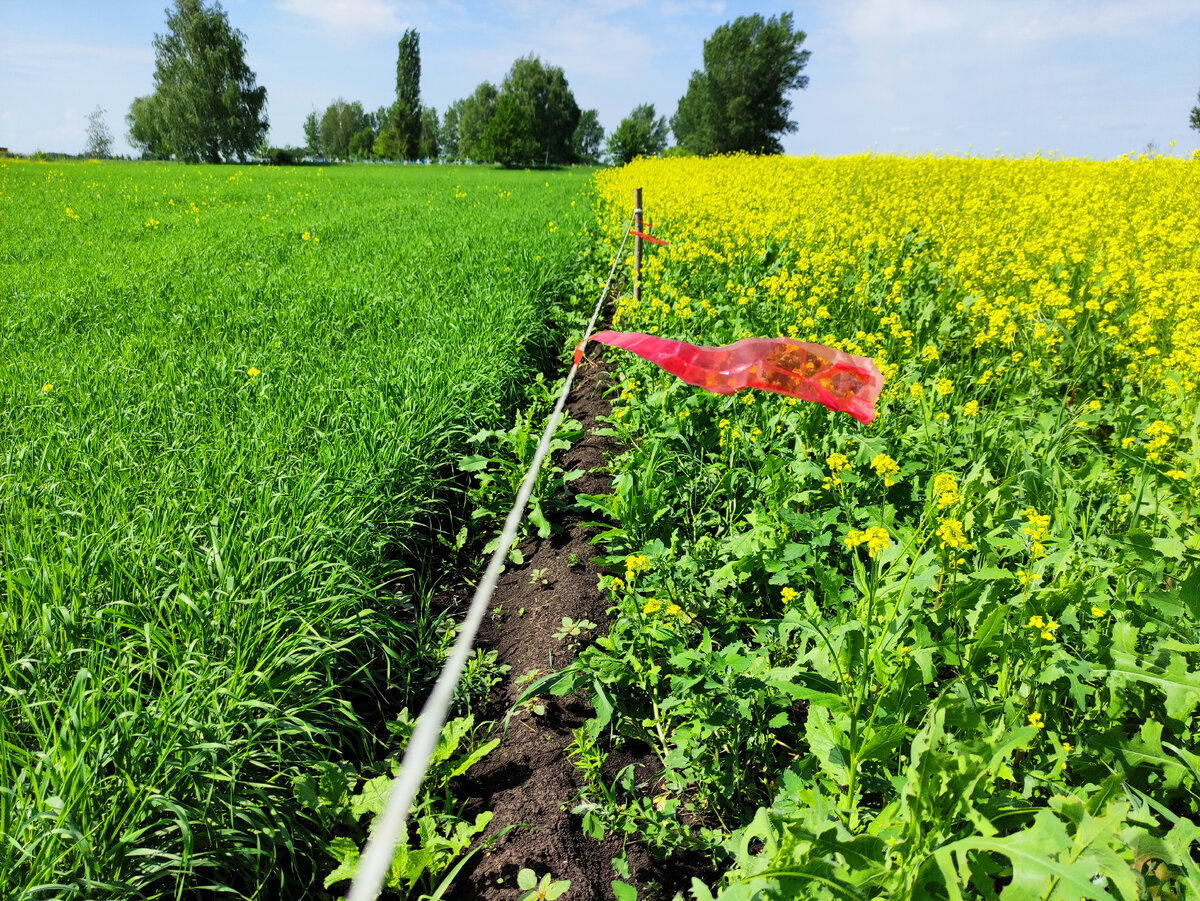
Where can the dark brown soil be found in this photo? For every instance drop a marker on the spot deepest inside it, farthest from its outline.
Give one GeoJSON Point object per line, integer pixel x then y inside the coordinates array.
{"type": "Point", "coordinates": [528, 781]}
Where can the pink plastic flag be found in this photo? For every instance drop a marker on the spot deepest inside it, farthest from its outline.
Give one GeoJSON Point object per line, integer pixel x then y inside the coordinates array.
{"type": "Point", "coordinates": [841, 381]}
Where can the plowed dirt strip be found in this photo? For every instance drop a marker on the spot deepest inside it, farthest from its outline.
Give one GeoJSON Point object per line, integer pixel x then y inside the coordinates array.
{"type": "Point", "coordinates": [528, 781]}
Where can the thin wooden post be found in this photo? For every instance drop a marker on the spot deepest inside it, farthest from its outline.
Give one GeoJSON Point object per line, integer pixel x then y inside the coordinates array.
{"type": "Point", "coordinates": [637, 244]}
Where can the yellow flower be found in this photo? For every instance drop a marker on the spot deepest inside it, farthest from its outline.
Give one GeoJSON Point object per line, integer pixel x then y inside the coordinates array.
{"type": "Point", "coordinates": [837, 462]}
{"type": "Point", "coordinates": [917, 391]}
{"type": "Point", "coordinates": [945, 387]}
{"type": "Point", "coordinates": [652, 606]}
{"type": "Point", "coordinates": [885, 467]}
{"type": "Point", "coordinates": [788, 594]}
{"type": "Point", "coordinates": [307, 236]}
{"type": "Point", "coordinates": [971, 408]}
{"type": "Point", "coordinates": [1027, 576]}
{"type": "Point", "coordinates": [1036, 622]}
{"type": "Point", "coordinates": [945, 490]}
{"type": "Point", "coordinates": [875, 538]}
{"type": "Point", "coordinates": [1098, 612]}
{"type": "Point", "coordinates": [252, 372]}
{"type": "Point", "coordinates": [1035, 720]}
{"type": "Point", "coordinates": [47, 388]}
{"type": "Point", "coordinates": [950, 531]}
{"type": "Point", "coordinates": [634, 564]}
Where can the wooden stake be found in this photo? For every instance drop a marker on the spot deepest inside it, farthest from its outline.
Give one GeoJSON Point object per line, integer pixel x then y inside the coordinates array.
{"type": "Point", "coordinates": [637, 245]}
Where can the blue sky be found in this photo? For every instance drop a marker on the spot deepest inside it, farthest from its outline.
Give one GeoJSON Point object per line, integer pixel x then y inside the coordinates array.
{"type": "Point", "coordinates": [1093, 78]}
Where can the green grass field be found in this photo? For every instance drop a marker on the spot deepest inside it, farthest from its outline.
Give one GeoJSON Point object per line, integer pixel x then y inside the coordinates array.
{"type": "Point", "coordinates": [231, 404]}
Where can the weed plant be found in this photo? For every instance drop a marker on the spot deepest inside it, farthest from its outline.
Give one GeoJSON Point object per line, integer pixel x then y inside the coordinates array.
{"type": "Point", "coordinates": [954, 653]}
{"type": "Point", "coordinates": [232, 400]}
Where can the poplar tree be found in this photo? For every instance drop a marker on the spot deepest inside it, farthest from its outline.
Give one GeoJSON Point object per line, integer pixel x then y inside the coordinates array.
{"type": "Point", "coordinates": [405, 116]}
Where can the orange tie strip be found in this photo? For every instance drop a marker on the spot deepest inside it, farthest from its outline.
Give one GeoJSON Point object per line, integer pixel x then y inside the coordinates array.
{"type": "Point", "coordinates": [840, 381]}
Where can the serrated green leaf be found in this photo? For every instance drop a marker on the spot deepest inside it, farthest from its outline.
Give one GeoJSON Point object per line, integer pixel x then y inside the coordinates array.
{"type": "Point", "coordinates": [1180, 687]}
{"type": "Point", "coordinates": [828, 744]}
{"type": "Point", "coordinates": [473, 463]}
{"type": "Point", "coordinates": [346, 853]}
{"type": "Point", "coordinates": [1045, 863]}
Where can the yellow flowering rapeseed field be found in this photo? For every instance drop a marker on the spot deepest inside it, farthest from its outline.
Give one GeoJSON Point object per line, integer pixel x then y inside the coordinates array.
{"type": "Point", "coordinates": [1040, 249]}
{"type": "Point", "coordinates": [984, 607]}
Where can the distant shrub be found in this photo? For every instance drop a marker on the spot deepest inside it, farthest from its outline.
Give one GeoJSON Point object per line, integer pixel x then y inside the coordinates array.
{"type": "Point", "coordinates": [284, 156]}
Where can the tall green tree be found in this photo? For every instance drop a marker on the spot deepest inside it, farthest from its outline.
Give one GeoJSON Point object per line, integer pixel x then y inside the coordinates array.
{"type": "Point", "coordinates": [362, 143]}
{"type": "Point", "coordinates": [639, 134]}
{"type": "Point", "coordinates": [145, 127]}
{"type": "Point", "coordinates": [206, 103]}
{"type": "Point", "coordinates": [448, 133]}
{"type": "Point", "coordinates": [509, 138]}
{"type": "Point", "coordinates": [428, 147]}
{"type": "Point", "coordinates": [1195, 119]}
{"type": "Point", "coordinates": [739, 100]}
{"type": "Point", "coordinates": [340, 122]}
{"type": "Point", "coordinates": [312, 134]}
{"type": "Point", "coordinates": [589, 138]}
{"type": "Point", "coordinates": [540, 96]}
{"type": "Point", "coordinates": [473, 117]}
{"type": "Point", "coordinates": [405, 118]}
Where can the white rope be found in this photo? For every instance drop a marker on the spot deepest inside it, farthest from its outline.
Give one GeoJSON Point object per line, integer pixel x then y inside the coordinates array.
{"type": "Point", "coordinates": [380, 849]}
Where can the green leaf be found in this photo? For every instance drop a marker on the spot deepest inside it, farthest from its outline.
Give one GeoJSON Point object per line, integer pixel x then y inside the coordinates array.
{"type": "Point", "coordinates": [828, 744]}
{"type": "Point", "coordinates": [984, 634]}
{"type": "Point", "coordinates": [346, 853]}
{"type": "Point", "coordinates": [473, 463]}
{"type": "Point", "coordinates": [538, 518]}
{"type": "Point", "coordinates": [991, 573]}
{"type": "Point", "coordinates": [526, 878]}
{"type": "Point", "coordinates": [624, 891]}
{"type": "Point", "coordinates": [1189, 592]}
{"type": "Point", "coordinates": [473, 758]}
{"type": "Point", "coordinates": [882, 742]}
{"type": "Point", "coordinates": [1180, 687]}
{"type": "Point", "coordinates": [1045, 863]}
{"type": "Point", "coordinates": [372, 797]}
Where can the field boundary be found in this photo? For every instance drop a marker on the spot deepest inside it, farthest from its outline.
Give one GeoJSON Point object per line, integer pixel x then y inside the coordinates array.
{"type": "Point", "coordinates": [381, 845]}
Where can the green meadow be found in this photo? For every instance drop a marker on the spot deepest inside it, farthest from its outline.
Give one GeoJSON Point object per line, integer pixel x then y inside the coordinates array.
{"type": "Point", "coordinates": [232, 400]}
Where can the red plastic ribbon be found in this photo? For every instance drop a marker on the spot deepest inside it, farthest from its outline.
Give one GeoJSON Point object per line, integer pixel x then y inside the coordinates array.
{"type": "Point", "coordinates": [838, 380]}
{"type": "Point", "coordinates": [646, 237]}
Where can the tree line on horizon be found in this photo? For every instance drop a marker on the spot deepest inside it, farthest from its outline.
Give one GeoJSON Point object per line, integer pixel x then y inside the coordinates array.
{"type": "Point", "coordinates": [207, 106]}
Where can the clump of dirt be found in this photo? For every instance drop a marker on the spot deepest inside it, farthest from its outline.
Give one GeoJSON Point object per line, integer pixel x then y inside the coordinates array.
{"type": "Point", "coordinates": [528, 781]}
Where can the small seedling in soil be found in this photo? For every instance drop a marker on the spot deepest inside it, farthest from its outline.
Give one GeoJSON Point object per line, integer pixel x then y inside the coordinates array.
{"type": "Point", "coordinates": [539, 575]}
{"type": "Point", "coordinates": [545, 889]}
{"type": "Point", "coordinates": [496, 611]}
{"type": "Point", "coordinates": [520, 612]}
{"type": "Point", "coordinates": [572, 559]}
{"type": "Point", "coordinates": [535, 705]}
{"type": "Point", "coordinates": [572, 629]}
{"type": "Point", "coordinates": [529, 677]}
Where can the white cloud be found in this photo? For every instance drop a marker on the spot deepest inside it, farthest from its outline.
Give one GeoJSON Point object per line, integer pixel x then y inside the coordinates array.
{"type": "Point", "coordinates": [34, 62]}
{"type": "Point", "coordinates": [1029, 21]}
{"type": "Point", "coordinates": [899, 21]}
{"type": "Point", "coordinates": [693, 7]}
{"type": "Point", "coordinates": [367, 18]}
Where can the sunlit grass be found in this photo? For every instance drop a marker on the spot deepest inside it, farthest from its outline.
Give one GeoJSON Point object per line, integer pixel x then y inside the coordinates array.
{"type": "Point", "coordinates": [231, 404]}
